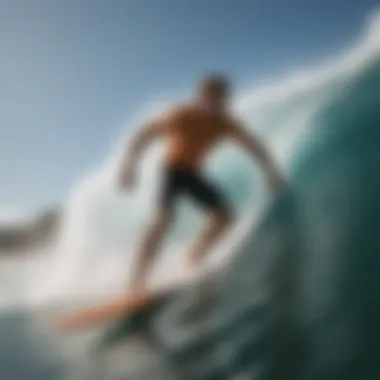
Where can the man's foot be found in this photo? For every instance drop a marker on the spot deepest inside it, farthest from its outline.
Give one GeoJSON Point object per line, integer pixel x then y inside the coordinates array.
{"type": "Point", "coordinates": [138, 288]}
{"type": "Point", "coordinates": [193, 262]}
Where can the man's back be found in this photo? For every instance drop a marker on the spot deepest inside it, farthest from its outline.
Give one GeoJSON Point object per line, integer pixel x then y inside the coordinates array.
{"type": "Point", "coordinates": [192, 132]}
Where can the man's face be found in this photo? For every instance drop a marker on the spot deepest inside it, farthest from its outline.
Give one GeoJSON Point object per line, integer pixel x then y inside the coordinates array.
{"type": "Point", "coordinates": [214, 90]}
{"type": "Point", "coordinates": [215, 96]}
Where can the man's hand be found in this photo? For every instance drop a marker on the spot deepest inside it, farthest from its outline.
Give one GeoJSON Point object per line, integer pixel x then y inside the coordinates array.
{"type": "Point", "coordinates": [136, 145]}
{"type": "Point", "coordinates": [127, 180]}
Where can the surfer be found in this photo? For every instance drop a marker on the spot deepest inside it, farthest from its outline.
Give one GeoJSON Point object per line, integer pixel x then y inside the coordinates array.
{"type": "Point", "coordinates": [190, 131]}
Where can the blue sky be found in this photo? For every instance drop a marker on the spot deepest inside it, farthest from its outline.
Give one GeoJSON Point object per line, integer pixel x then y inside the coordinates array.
{"type": "Point", "coordinates": [72, 71]}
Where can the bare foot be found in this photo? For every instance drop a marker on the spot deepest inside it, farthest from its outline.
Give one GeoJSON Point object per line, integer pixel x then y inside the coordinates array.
{"type": "Point", "coordinates": [193, 262]}
{"type": "Point", "coordinates": [139, 290]}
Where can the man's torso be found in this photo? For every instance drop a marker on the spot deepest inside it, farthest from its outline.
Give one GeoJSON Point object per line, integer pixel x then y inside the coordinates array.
{"type": "Point", "coordinates": [192, 133]}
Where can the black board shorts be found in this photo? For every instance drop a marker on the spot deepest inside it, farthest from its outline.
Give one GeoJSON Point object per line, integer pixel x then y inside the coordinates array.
{"type": "Point", "coordinates": [179, 181]}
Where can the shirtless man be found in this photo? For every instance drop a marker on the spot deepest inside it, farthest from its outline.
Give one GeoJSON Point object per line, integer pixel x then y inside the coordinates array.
{"type": "Point", "coordinates": [190, 131]}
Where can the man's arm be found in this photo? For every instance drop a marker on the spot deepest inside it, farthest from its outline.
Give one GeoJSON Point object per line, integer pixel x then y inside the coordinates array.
{"type": "Point", "coordinates": [256, 148]}
{"type": "Point", "coordinates": [137, 145]}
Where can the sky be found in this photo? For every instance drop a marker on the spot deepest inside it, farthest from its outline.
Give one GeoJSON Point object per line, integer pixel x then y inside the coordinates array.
{"type": "Point", "coordinates": [73, 72]}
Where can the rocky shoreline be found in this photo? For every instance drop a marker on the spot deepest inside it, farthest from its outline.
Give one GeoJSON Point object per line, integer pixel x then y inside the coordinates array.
{"type": "Point", "coordinates": [40, 230]}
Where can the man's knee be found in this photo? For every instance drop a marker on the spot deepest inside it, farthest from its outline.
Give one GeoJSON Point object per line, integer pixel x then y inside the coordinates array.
{"type": "Point", "coordinates": [224, 216]}
{"type": "Point", "coordinates": [162, 218]}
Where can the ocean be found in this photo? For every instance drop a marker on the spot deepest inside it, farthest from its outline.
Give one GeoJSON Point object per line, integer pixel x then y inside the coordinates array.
{"type": "Point", "coordinates": [292, 293]}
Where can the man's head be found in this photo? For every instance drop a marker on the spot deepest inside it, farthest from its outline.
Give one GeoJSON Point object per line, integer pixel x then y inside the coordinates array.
{"type": "Point", "coordinates": [214, 89]}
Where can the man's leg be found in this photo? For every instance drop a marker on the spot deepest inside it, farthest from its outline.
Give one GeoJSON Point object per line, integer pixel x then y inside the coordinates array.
{"type": "Point", "coordinates": [219, 217]}
{"type": "Point", "coordinates": [149, 245]}
{"type": "Point", "coordinates": [217, 224]}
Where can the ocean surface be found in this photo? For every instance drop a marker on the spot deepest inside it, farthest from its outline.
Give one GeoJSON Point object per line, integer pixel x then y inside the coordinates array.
{"type": "Point", "coordinates": [291, 294]}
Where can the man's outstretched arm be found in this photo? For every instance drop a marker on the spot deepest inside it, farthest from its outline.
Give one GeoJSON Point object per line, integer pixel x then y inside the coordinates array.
{"type": "Point", "coordinates": [258, 150]}
{"type": "Point", "coordinates": [136, 147]}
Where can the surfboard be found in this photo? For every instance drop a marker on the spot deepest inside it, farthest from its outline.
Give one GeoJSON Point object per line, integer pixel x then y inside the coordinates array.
{"type": "Point", "coordinates": [90, 316]}
{"type": "Point", "coordinates": [122, 306]}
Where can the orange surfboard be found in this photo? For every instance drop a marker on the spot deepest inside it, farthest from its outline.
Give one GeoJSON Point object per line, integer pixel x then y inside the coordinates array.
{"type": "Point", "coordinates": [119, 307]}
{"type": "Point", "coordinates": [105, 312]}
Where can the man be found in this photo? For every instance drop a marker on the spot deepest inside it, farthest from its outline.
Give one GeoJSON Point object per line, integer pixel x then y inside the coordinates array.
{"type": "Point", "coordinates": [190, 131]}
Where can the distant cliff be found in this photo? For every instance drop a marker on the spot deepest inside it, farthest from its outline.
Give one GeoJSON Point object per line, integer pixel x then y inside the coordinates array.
{"type": "Point", "coordinates": [38, 231]}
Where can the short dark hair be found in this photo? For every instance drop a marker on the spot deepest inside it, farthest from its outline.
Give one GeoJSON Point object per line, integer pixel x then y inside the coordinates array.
{"type": "Point", "coordinates": [214, 83]}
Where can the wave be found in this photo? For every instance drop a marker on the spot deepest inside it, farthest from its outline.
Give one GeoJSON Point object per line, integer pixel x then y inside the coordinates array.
{"type": "Point", "coordinates": [299, 296]}
{"type": "Point", "coordinates": [101, 227]}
